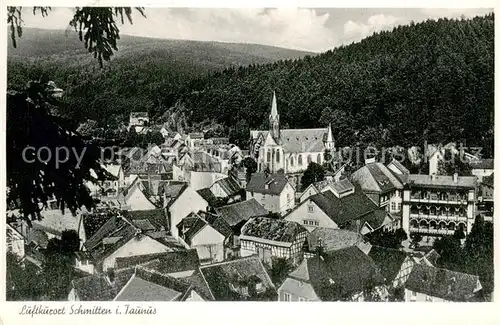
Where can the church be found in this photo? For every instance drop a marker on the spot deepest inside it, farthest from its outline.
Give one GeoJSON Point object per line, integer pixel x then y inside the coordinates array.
{"type": "Point", "coordinates": [290, 150]}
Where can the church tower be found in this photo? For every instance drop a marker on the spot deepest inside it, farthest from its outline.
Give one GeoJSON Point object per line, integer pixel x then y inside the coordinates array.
{"type": "Point", "coordinates": [330, 142]}
{"type": "Point", "coordinates": [274, 120]}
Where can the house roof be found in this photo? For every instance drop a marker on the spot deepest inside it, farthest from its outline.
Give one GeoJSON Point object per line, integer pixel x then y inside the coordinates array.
{"type": "Point", "coordinates": [229, 185]}
{"type": "Point", "coordinates": [221, 277]}
{"type": "Point", "coordinates": [332, 239]}
{"type": "Point", "coordinates": [272, 229]}
{"type": "Point", "coordinates": [483, 164]}
{"type": "Point", "coordinates": [341, 273]}
{"type": "Point", "coordinates": [388, 260]}
{"type": "Point", "coordinates": [275, 183]}
{"type": "Point", "coordinates": [442, 283]}
{"type": "Point", "coordinates": [376, 177]}
{"type": "Point", "coordinates": [200, 285]}
{"type": "Point", "coordinates": [147, 219]}
{"type": "Point", "coordinates": [489, 180]}
{"type": "Point", "coordinates": [207, 195]}
{"type": "Point", "coordinates": [440, 181]}
{"type": "Point", "coordinates": [375, 219]}
{"type": "Point", "coordinates": [97, 287]}
{"type": "Point", "coordinates": [399, 166]}
{"type": "Point", "coordinates": [217, 222]}
{"type": "Point", "coordinates": [298, 140]}
{"type": "Point", "coordinates": [235, 213]}
{"type": "Point", "coordinates": [113, 169]}
{"type": "Point", "coordinates": [431, 257]}
{"type": "Point", "coordinates": [147, 285]}
{"type": "Point", "coordinates": [190, 226]}
{"type": "Point", "coordinates": [341, 210]}
{"type": "Point", "coordinates": [196, 135]}
{"type": "Point", "coordinates": [167, 263]}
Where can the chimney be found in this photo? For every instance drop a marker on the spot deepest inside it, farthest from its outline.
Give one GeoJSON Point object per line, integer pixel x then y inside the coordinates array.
{"type": "Point", "coordinates": [455, 178]}
{"type": "Point", "coordinates": [433, 176]}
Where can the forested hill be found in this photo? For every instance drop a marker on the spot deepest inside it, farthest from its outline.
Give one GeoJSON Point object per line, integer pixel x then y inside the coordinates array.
{"type": "Point", "coordinates": [429, 81]}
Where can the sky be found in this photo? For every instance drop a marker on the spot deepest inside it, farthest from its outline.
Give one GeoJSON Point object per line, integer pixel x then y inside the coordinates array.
{"type": "Point", "coordinates": [314, 30]}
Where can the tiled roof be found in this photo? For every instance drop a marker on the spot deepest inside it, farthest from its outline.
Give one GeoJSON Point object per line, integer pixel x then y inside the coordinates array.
{"type": "Point", "coordinates": [399, 166]}
{"type": "Point", "coordinates": [483, 164]}
{"type": "Point", "coordinates": [229, 185]}
{"type": "Point", "coordinates": [275, 183]}
{"type": "Point", "coordinates": [217, 222]}
{"type": "Point", "coordinates": [207, 195]}
{"type": "Point", "coordinates": [342, 186]}
{"type": "Point", "coordinates": [375, 219]}
{"type": "Point", "coordinates": [235, 213]}
{"type": "Point", "coordinates": [147, 219]}
{"type": "Point", "coordinates": [190, 226]}
{"type": "Point", "coordinates": [417, 180]}
{"type": "Point", "coordinates": [299, 140]}
{"type": "Point", "coordinates": [167, 263]}
{"type": "Point", "coordinates": [442, 283]}
{"type": "Point", "coordinates": [376, 177]}
{"type": "Point", "coordinates": [388, 260]}
{"type": "Point", "coordinates": [97, 287]}
{"type": "Point", "coordinates": [148, 285]}
{"type": "Point", "coordinates": [332, 239]}
{"type": "Point", "coordinates": [431, 257]}
{"type": "Point", "coordinates": [200, 285]}
{"type": "Point", "coordinates": [272, 229]}
{"type": "Point", "coordinates": [489, 180]}
{"type": "Point", "coordinates": [341, 273]}
{"type": "Point", "coordinates": [223, 277]}
{"type": "Point", "coordinates": [342, 210]}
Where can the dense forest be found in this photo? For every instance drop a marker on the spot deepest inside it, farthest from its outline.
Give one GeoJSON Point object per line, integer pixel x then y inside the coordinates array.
{"type": "Point", "coordinates": [431, 81]}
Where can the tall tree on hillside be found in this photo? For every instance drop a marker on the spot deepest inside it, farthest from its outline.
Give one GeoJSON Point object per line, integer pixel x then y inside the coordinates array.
{"type": "Point", "coordinates": [454, 163]}
{"type": "Point", "coordinates": [96, 26]}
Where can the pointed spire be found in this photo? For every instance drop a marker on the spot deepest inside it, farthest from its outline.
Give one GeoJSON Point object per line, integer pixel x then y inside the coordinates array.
{"type": "Point", "coordinates": [274, 106]}
{"type": "Point", "coordinates": [330, 136]}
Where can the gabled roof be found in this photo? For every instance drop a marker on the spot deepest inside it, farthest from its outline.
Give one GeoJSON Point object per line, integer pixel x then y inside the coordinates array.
{"type": "Point", "coordinates": [235, 213]}
{"type": "Point", "coordinates": [222, 277]}
{"type": "Point", "coordinates": [442, 283]}
{"type": "Point", "coordinates": [399, 166]}
{"type": "Point", "coordinates": [218, 223]}
{"type": "Point", "coordinates": [376, 177]}
{"type": "Point", "coordinates": [97, 287]}
{"type": "Point", "coordinates": [298, 140]}
{"type": "Point", "coordinates": [167, 263]}
{"type": "Point", "coordinates": [229, 185]}
{"type": "Point", "coordinates": [275, 183]}
{"type": "Point", "coordinates": [208, 196]}
{"type": "Point", "coordinates": [431, 257]}
{"type": "Point", "coordinates": [388, 260]}
{"type": "Point", "coordinates": [341, 210]}
{"type": "Point", "coordinates": [339, 274]}
{"type": "Point", "coordinates": [147, 285]}
{"type": "Point", "coordinates": [332, 239]}
{"type": "Point", "coordinates": [190, 226]}
{"type": "Point", "coordinates": [272, 229]}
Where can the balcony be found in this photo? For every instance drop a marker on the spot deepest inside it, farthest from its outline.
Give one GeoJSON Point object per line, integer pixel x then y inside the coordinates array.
{"type": "Point", "coordinates": [449, 200]}
{"type": "Point", "coordinates": [430, 231]}
{"type": "Point", "coordinates": [452, 217]}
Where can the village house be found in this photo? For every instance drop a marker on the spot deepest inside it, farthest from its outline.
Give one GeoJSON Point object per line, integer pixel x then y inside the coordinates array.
{"type": "Point", "coordinates": [129, 233]}
{"type": "Point", "coordinates": [268, 238]}
{"type": "Point", "coordinates": [274, 192]}
{"type": "Point", "coordinates": [346, 274]}
{"type": "Point", "coordinates": [432, 284]}
{"type": "Point", "coordinates": [437, 205]}
{"type": "Point", "coordinates": [194, 140]}
{"type": "Point", "coordinates": [395, 265]}
{"type": "Point", "coordinates": [380, 185]}
{"type": "Point", "coordinates": [199, 169]}
{"type": "Point", "coordinates": [343, 206]}
{"type": "Point", "coordinates": [237, 214]}
{"type": "Point", "coordinates": [227, 188]}
{"type": "Point", "coordinates": [485, 202]}
{"type": "Point", "coordinates": [436, 154]}
{"type": "Point", "coordinates": [231, 239]}
{"type": "Point", "coordinates": [290, 150]}
{"type": "Point", "coordinates": [243, 279]}
{"type": "Point", "coordinates": [197, 233]}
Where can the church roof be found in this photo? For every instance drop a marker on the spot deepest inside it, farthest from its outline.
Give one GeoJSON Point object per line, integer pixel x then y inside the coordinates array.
{"type": "Point", "coordinates": [299, 140]}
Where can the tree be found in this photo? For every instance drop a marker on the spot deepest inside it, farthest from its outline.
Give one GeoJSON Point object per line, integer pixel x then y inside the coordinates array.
{"type": "Point", "coordinates": [314, 173]}
{"type": "Point", "coordinates": [453, 163]}
{"type": "Point", "coordinates": [96, 26]}
{"type": "Point", "coordinates": [55, 165]}
{"type": "Point", "coordinates": [280, 269]}
{"type": "Point", "coordinates": [250, 167]}
{"type": "Point", "coordinates": [390, 239]}
{"type": "Point", "coordinates": [22, 280]}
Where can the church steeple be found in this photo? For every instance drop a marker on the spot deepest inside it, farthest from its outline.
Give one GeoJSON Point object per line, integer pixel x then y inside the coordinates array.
{"type": "Point", "coordinates": [274, 119]}
{"type": "Point", "coordinates": [330, 142]}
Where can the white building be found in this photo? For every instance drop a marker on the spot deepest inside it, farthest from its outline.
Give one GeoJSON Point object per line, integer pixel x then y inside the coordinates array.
{"type": "Point", "coordinates": [274, 192]}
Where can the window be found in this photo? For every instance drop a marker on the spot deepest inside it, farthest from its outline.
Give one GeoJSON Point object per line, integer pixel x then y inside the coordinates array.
{"type": "Point", "coordinates": [316, 223]}
{"type": "Point", "coordinates": [277, 156]}
{"type": "Point", "coordinates": [299, 160]}
{"type": "Point", "coordinates": [399, 206]}
{"type": "Point", "coordinates": [287, 296]}
{"type": "Point", "coordinates": [309, 159]}
{"type": "Point", "coordinates": [318, 160]}
{"type": "Point", "coordinates": [291, 161]}
{"type": "Point", "coordinates": [287, 198]}
{"type": "Point", "coordinates": [306, 222]}
{"type": "Point", "coordinates": [414, 294]}
{"type": "Point", "coordinates": [393, 205]}
{"type": "Point", "coordinates": [269, 156]}
{"type": "Point", "coordinates": [310, 208]}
